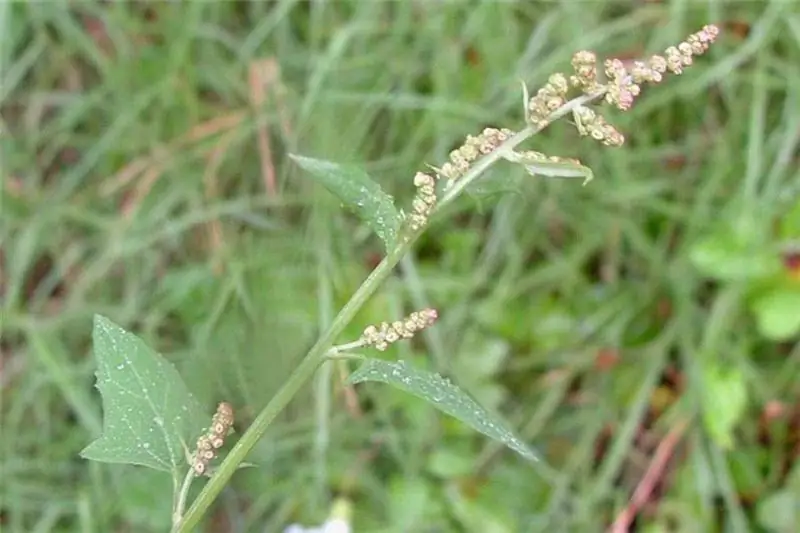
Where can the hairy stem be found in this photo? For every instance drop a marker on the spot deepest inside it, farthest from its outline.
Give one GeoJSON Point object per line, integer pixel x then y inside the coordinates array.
{"type": "Point", "coordinates": [317, 355]}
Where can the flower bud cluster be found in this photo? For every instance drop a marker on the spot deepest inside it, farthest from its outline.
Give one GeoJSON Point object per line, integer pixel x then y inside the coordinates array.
{"type": "Point", "coordinates": [584, 63]}
{"type": "Point", "coordinates": [460, 160]}
{"type": "Point", "coordinates": [213, 439]}
{"type": "Point", "coordinates": [472, 149]}
{"type": "Point", "coordinates": [549, 98]}
{"type": "Point", "coordinates": [424, 201]}
{"type": "Point", "coordinates": [621, 86]}
{"type": "Point", "coordinates": [624, 85]}
{"type": "Point", "coordinates": [384, 334]}
{"type": "Point", "coordinates": [593, 124]}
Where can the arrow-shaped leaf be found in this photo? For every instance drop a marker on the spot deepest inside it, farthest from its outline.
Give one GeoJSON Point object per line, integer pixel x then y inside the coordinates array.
{"type": "Point", "coordinates": [359, 193]}
{"type": "Point", "coordinates": [444, 395]}
{"type": "Point", "coordinates": [148, 411]}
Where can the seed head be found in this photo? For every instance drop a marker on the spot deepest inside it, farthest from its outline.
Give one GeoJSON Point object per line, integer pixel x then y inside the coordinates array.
{"type": "Point", "coordinates": [594, 125]}
{"type": "Point", "coordinates": [384, 334]}
{"type": "Point", "coordinates": [474, 146]}
{"type": "Point", "coordinates": [213, 439]}
{"type": "Point", "coordinates": [584, 63]}
{"type": "Point", "coordinates": [424, 201]}
{"type": "Point", "coordinates": [549, 98]}
{"type": "Point", "coordinates": [623, 85]}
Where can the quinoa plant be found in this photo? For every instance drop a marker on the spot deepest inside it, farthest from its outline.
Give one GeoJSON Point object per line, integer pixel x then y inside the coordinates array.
{"type": "Point", "coordinates": [150, 416]}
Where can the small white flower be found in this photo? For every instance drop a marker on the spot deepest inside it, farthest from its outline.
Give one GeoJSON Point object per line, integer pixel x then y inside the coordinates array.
{"type": "Point", "coordinates": [334, 525]}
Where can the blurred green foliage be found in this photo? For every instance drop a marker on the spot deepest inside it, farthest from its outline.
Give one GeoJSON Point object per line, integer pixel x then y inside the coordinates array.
{"type": "Point", "coordinates": [136, 184]}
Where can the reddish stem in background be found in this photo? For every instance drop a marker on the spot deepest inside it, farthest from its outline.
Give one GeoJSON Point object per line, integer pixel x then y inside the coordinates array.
{"type": "Point", "coordinates": [654, 472]}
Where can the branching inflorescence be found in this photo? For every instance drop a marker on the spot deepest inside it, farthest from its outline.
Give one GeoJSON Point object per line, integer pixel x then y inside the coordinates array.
{"type": "Point", "coordinates": [619, 84]}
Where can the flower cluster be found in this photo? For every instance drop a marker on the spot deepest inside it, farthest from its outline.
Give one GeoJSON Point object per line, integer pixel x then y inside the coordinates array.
{"type": "Point", "coordinates": [384, 334]}
{"type": "Point", "coordinates": [624, 85]}
{"type": "Point", "coordinates": [593, 124]}
{"type": "Point", "coordinates": [584, 63]}
{"type": "Point", "coordinates": [460, 160]}
{"type": "Point", "coordinates": [621, 87]}
{"type": "Point", "coordinates": [549, 98]}
{"type": "Point", "coordinates": [424, 201]}
{"type": "Point", "coordinates": [472, 149]}
{"type": "Point", "coordinates": [213, 439]}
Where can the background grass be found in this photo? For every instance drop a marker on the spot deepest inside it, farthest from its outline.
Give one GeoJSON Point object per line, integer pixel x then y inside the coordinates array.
{"type": "Point", "coordinates": [135, 187]}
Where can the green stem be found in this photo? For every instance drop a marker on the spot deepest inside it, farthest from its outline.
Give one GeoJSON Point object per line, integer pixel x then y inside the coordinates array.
{"type": "Point", "coordinates": [344, 357]}
{"type": "Point", "coordinates": [296, 380]}
{"type": "Point", "coordinates": [316, 356]}
{"type": "Point", "coordinates": [180, 503]}
{"type": "Point", "coordinates": [341, 348]}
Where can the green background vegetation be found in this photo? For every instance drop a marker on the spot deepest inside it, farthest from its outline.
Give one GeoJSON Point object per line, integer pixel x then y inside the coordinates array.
{"type": "Point", "coordinates": [600, 320]}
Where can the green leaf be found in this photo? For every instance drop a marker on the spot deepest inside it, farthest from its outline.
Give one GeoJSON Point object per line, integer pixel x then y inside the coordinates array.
{"type": "Point", "coordinates": [778, 313]}
{"type": "Point", "coordinates": [450, 462]}
{"type": "Point", "coordinates": [409, 497]}
{"type": "Point", "coordinates": [140, 496]}
{"type": "Point", "coordinates": [475, 515]}
{"type": "Point", "coordinates": [724, 402]}
{"type": "Point", "coordinates": [480, 357]}
{"type": "Point", "coordinates": [779, 512]}
{"type": "Point", "coordinates": [538, 166]}
{"type": "Point", "coordinates": [359, 193]}
{"type": "Point", "coordinates": [790, 223]}
{"type": "Point", "coordinates": [149, 412]}
{"type": "Point", "coordinates": [737, 251]}
{"type": "Point", "coordinates": [445, 396]}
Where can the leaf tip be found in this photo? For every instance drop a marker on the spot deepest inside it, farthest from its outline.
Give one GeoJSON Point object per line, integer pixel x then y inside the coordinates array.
{"type": "Point", "coordinates": [98, 320]}
{"type": "Point", "coordinates": [299, 159]}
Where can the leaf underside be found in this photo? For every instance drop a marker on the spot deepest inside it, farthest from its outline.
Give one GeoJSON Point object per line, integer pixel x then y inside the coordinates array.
{"type": "Point", "coordinates": [444, 395]}
{"type": "Point", "coordinates": [148, 411]}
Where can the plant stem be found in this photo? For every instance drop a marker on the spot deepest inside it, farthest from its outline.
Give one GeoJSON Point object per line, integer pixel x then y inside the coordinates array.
{"type": "Point", "coordinates": [344, 357]}
{"type": "Point", "coordinates": [317, 355]}
{"type": "Point", "coordinates": [180, 502]}
{"type": "Point", "coordinates": [341, 348]}
{"type": "Point", "coordinates": [301, 374]}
